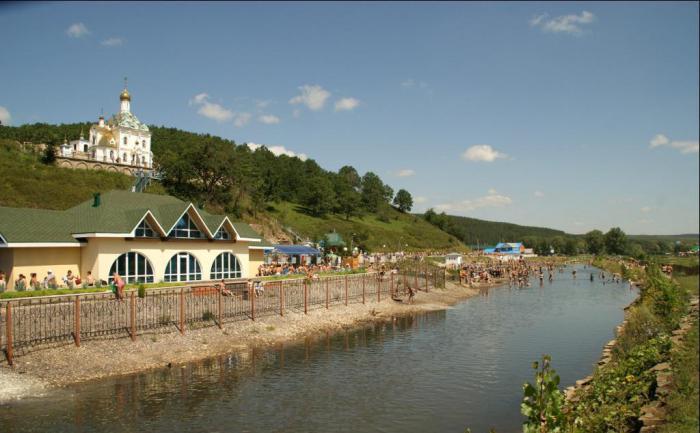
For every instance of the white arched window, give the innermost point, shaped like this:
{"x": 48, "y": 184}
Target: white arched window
{"x": 133, "y": 268}
{"x": 183, "y": 267}
{"x": 225, "y": 266}
{"x": 124, "y": 140}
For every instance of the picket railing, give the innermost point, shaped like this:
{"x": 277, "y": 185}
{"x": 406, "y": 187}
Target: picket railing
{"x": 27, "y": 323}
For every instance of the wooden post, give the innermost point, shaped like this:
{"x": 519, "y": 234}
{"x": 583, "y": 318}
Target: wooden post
{"x": 346, "y": 290}
{"x": 379, "y": 288}
{"x": 219, "y": 296}
{"x": 391, "y": 287}
{"x": 306, "y": 297}
{"x": 251, "y": 294}
{"x": 426, "y": 278}
{"x": 327, "y": 293}
{"x": 281, "y": 299}
{"x": 415, "y": 277}
{"x": 76, "y": 313}
{"x": 133, "y": 317}
{"x": 182, "y": 310}
{"x": 8, "y": 318}
{"x": 363, "y": 288}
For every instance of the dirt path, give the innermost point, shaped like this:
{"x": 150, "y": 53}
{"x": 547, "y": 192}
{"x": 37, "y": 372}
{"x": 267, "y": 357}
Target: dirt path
{"x": 64, "y": 365}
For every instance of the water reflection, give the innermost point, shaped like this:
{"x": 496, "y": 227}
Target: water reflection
{"x": 434, "y": 372}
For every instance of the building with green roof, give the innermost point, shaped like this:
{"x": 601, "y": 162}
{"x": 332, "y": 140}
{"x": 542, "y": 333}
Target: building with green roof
{"x": 142, "y": 237}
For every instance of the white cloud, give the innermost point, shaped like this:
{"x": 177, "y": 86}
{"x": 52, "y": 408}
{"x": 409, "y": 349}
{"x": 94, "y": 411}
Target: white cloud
{"x": 77, "y": 30}
{"x": 490, "y": 200}
{"x": 570, "y": 24}
{"x": 296, "y": 113}
{"x": 268, "y": 119}
{"x": 419, "y": 199}
{"x": 646, "y": 209}
{"x": 210, "y": 109}
{"x": 492, "y": 191}
{"x": 5, "y": 116}
{"x": 538, "y": 194}
{"x": 278, "y": 150}
{"x": 241, "y": 119}
{"x": 406, "y": 172}
{"x": 482, "y": 152}
{"x": 113, "y": 42}
{"x": 346, "y": 104}
{"x": 313, "y": 96}
{"x": 687, "y": 146}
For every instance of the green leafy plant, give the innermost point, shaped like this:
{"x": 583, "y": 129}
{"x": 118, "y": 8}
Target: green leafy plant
{"x": 142, "y": 291}
{"x": 543, "y": 401}
{"x": 207, "y": 315}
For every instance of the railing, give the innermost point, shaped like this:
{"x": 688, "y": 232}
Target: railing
{"x": 28, "y": 323}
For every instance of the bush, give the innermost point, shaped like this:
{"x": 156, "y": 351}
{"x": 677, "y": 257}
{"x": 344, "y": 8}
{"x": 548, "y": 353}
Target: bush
{"x": 142, "y": 291}
{"x": 207, "y": 315}
{"x": 642, "y": 325}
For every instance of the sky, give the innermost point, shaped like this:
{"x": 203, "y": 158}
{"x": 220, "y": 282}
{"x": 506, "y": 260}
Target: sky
{"x": 575, "y": 116}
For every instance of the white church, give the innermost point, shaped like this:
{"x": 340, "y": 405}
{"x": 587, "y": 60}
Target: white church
{"x": 123, "y": 139}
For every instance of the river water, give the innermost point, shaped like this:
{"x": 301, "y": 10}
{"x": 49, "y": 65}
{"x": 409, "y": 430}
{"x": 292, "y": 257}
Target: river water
{"x": 434, "y": 372}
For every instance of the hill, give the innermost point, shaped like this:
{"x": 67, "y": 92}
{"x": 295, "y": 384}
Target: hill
{"x": 391, "y": 231}
{"x": 474, "y": 231}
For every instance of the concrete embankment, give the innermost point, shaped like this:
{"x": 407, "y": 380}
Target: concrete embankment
{"x": 64, "y": 365}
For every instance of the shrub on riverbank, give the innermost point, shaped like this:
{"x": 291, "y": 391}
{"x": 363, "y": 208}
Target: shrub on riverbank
{"x": 683, "y": 402}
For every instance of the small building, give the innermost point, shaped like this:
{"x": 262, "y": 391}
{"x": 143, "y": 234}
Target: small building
{"x": 296, "y": 254}
{"x": 506, "y": 248}
{"x": 145, "y": 238}
{"x": 453, "y": 260}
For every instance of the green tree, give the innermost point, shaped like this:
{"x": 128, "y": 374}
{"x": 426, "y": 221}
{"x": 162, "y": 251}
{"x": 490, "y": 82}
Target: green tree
{"x": 570, "y": 247}
{"x": 49, "y": 155}
{"x": 595, "y": 242}
{"x": 350, "y": 176}
{"x": 403, "y": 200}
{"x": 349, "y": 200}
{"x": 558, "y": 244}
{"x": 615, "y": 241}
{"x": 319, "y": 198}
{"x": 374, "y": 192}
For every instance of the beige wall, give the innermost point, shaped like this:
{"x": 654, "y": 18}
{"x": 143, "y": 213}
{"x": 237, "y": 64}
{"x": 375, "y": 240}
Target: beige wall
{"x": 40, "y": 260}
{"x": 100, "y": 253}
{"x": 257, "y": 258}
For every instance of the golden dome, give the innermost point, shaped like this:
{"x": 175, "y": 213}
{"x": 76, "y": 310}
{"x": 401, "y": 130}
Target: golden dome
{"x": 125, "y": 96}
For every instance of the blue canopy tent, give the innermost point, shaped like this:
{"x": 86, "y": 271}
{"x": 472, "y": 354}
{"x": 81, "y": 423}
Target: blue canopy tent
{"x": 296, "y": 251}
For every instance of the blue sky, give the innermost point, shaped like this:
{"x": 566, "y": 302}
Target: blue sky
{"x": 568, "y": 115}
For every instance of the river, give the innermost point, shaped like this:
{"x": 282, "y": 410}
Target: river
{"x": 433, "y": 372}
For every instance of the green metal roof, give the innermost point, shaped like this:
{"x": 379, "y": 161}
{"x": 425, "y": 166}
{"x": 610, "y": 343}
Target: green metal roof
{"x": 118, "y": 212}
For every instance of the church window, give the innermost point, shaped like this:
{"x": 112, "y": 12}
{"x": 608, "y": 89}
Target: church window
{"x": 125, "y": 140}
{"x": 85, "y": 148}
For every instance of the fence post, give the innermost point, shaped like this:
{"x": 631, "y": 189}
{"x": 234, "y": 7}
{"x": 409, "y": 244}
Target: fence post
{"x": 426, "y": 278}
{"x": 346, "y": 290}
{"x": 8, "y": 317}
{"x": 219, "y": 296}
{"x": 182, "y": 310}
{"x": 363, "y": 288}
{"x": 251, "y": 294}
{"x": 306, "y": 297}
{"x": 327, "y": 293}
{"x": 76, "y": 313}
{"x": 379, "y": 288}
{"x": 415, "y": 277}
{"x": 281, "y": 299}
{"x": 133, "y": 317}
{"x": 391, "y": 287}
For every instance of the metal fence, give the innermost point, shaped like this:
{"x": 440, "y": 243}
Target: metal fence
{"x": 27, "y": 323}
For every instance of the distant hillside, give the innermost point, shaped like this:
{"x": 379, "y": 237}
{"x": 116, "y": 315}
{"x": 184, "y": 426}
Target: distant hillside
{"x": 474, "y": 231}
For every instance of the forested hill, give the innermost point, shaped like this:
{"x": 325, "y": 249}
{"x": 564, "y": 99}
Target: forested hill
{"x": 474, "y": 231}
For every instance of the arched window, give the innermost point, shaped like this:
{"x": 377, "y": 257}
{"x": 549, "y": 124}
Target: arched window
{"x": 85, "y": 148}
{"x": 125, "y": 143}
{"x": 225, "y": 266}
{"x": 124, "y": 159}
{"x": 133, "y": 268}
{"x": 183, "y": 267}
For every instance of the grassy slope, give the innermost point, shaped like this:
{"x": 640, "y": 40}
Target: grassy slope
{"x": 402, "y": 229}
{"x": 26, "y": 182}
{"x": 472, "y": 230}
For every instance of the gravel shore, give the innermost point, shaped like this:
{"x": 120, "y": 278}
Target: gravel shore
{"x": 60, "y": 366}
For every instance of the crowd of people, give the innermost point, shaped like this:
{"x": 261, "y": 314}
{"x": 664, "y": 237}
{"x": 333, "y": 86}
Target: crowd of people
{"x": 49, "y": 281}
{"x": 277, "y": 269}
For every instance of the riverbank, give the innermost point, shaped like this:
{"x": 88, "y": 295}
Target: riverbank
{"x": 65, "y": 365}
